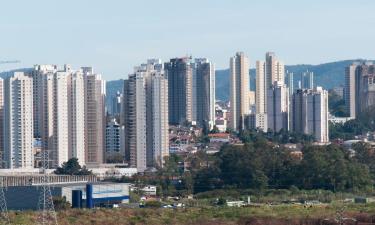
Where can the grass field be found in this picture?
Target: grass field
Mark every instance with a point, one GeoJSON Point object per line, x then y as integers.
{"type": "Point", "coordinates": [262, 215]}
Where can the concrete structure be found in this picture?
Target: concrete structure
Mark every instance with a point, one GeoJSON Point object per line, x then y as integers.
{"type": "Point", "coordinates": [239, 89]}
{"type": "Point", "coordinates": [339, 91]}
{"type": "Point", "coordinates": [359, 88]}
{"type": "Point", "coordinates": [307, 80]}
{"type": "Point", "coordinates": [339, 120]}
{"type": "Point", "coordinates": [54, 116]}
{"type": "Point", "coordinates": [76, 116]}
{"type": "Point", "coordinates": [135, 121]}
{"type": "Point", "coordinates": [278, 107]}
{"type": "Point", "coordinates": [159, 136]}
{"type": "Point", "coordinates": [274, 70]}
{"type": "Point", "coordinates": [251, 98]}
{"type": "Point", "coordinates": [256, 121]}
{"type": "Point", "coordinates": [112, 171]}
{"type": "Point", "coordinates": [116, 104]}
{"type": "Point", "coordinates": [114, 139]}
{"type": "Point", "coordinates": [180, 88]}
{"type": "Point", "coordinates": [146, 103]}
{"type": "Point", "coordinates": [221, 119]}
{"type": "Point", "coordinates": [204, 107]}
{"type": "Point", "coordinates": [290, 82]}
{"type": "Point", "coordinates": [37, 74]}
{"type": "Point", "coordinates": [18, 121]}
{"type": "Point", "coordinates": [310, 113]}
{"type": "Point", "coordinates": [2, 122]}
{"type": "Point", "coordinates": [26, 197]}
{"type": "Point", "coordinates": [31, 177]}
{"type": "Point", "coordinates": [259, 120]}
{"type": "Point", "coordinates": [95, 116]}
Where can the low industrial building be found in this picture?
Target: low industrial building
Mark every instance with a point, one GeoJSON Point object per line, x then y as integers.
{"type": "Point", "coordinates": [100, 194]}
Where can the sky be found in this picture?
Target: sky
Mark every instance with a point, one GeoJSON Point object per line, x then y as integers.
{"type": "Point", "coordinates": [113, 36]}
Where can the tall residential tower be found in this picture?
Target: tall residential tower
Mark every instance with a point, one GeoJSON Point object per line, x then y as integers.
{"type": "Point", "coordinates": [18, 121]}
{"type": "Point", "coordinates": [239, 90]}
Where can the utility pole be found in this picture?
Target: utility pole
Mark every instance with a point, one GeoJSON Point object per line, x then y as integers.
{"type": "Point", "coordinates": [47, 213]}
{"type": "Point", "coordinates": [3, 204]}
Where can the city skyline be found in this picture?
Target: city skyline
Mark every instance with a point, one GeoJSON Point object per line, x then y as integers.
{"type": "Point", "coordinates": [106, 40]}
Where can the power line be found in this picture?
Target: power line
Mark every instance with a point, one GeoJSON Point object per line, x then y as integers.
{"type": "Point", "coordinates": [47, 213]}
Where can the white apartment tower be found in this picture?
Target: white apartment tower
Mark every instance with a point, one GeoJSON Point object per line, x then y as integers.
{"type": "Point", "coordinates": [54, 117]}
{"type": "Point", "coordinates": [261, 97]}
{"type": "Point", "coordinates": [239, 89]}
{"type": "Point", "coordinates": [135, 121]}
{"type": "Point", "coordinates": [160, 143]}
{"type": "Point", "coordinates": [310, 113]}
{"type": "Point", "coordinates": [350, 90]}
{"type": "Point", "coordinates": [38, 73]}
{"type": "Point", "coordinates": [146, 116]}
{"type": "Point", "coordinates": [76, 111]}
{"type": "Point", "coordinates": [18, 121]}
{"type": "Point", "coordinates": [95, 121]}
{"type": "Point", "coordinates": [278, 107]}
{"type": "Point", "coordinates": [274, 70]}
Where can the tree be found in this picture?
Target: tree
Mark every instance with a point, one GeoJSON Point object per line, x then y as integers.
{"type": "Point", "coordinates": [60, 203]}
{"type": "Point", "coordinates": [72, 167]}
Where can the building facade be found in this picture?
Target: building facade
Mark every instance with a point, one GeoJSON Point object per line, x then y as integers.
{"type": "Point", "coordinates": [180, 88]}
{"type": "Point", "coordinates": [76, 116]}
{"type": "Point", "coordinates": [38, 74]}
{"type": "Point", "coordinates": [146, 116]}
{"type": "Point", "coordinates": [18, 121]}
{"type": "Point", "coordinates": [274, 70]}
{"type": "Point", "coordinates": [204, 102]}
{"type": "Point", "coordinates": [114, 140]}
{"type": "Point", "coordinates": [307, 80]}
{"type": "Point", "coordinates": [359, 88]}
{"type": "Point", "coordinates": [95, 121]}
{"type": "Point", "coordinates": [260, 119]}
{"type": "Point", "coordinates": [310, 113]}
{"type": "Point", "coordinates": [278, 107]}
{"type": "Point", "coordinates": [239, 89]}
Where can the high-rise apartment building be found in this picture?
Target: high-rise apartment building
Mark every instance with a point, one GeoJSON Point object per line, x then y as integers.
{"type": "Point", "coordinates": [160, 128]}
{"type": "Point", "coordinates": [18, 121]}
{"type": "Point", "coordinates": [76, 116]}
{"type": "Point", "coordinates": [146, 116]}
{"type": "Point", "coordinates": [180, 88]}
{"type": "Point", "coordinates": [290, 82]}
{"type": "Point", "coordinates": [260, 119]}
{"type": "Point", "coordinates": [239, 89]}
{"type": "Point", "coordinates": [278, 107]}
{"type": "Point", "coordinates": [310, 113]}
{"type": "Point", "coordinates": [95, 121]}
{"type": "Point", "coordinates": [274, 70]}
{"type": "Point", "coordinates": [204, 89]}
{"type": "Point", "coordinates": [135, 121]}
{"type": "Point", "coordinates": [37, 74]}
{"type": "Point", "coordinates": [307, 80]}
{"type": "Point", "coordinates": [116, 104]}
{"type": "Point", "coordinates": [54, 114]}
{"type": "Point", "coordinates": [359, 88]}
{"type": "Point", "coordinates": [2, 122]}
{"type": "Point", "coordinates": [114, 140]}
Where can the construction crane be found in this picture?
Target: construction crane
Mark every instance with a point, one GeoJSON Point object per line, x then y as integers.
{"type": "Point", "coordinates": [10, 61]}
